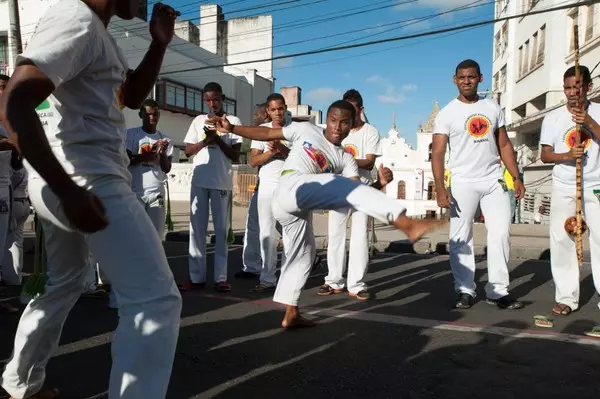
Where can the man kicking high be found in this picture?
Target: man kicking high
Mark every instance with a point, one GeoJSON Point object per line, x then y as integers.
{"type": "Point", "coordinates": [81, 190]}
{"type": "Point", "coordinates": [309, 181]}
{"type": "Point", "coordinates": [474, 128]}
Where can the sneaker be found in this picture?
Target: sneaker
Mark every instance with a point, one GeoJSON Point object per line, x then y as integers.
{"type": "Point", "coordinates": [325, 290]}
{"type": "Point", "coordinates": [464, 301]}
{"type": "Point", "coordinates": [362, 295]}
{"type": "Point", "coordinates": [506, 302]}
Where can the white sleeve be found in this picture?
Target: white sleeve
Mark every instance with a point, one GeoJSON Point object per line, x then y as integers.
{"type": "Point", "coordinates": [441, 125]}
{"type": "Point", "coordinates": [373, 142]}
{"type": "Point", "coordinates": [547, 133]}
{"type": "Point", "coordinates": [63, 45]}
{"type": "Point", "coordinates": [257, 145]}
{"type": "Point", "coordinates": [170, 147]}
{"type": "Point", "coordinates": [350, 166]}
{"type": "Point", "coordinates": [192, 136]}
{"type": "Point", "coordinates": [501, 118]}
{"type": "Point", "coordinates": [291, 132]}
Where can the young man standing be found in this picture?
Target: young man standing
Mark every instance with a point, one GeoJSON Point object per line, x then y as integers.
{"type": "Point", "coordinates": [364, 146]}
{"type": "Point", "coordinates": [211, 182]}
{"type": "Point", "coordinates": [150, 154]}
{"type": "Point", "coordinates": [559, 148]}
{"type": "Point", "coordinates": [475, 130]}
{"type": "Point", "coordinates": [270, 157]}
{"type": "Point", "coordinates": [81, 189]}
{"type": "Point", "coordinates": [309, 181]}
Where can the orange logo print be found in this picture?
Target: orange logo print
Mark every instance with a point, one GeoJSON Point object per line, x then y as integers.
{"type": "Point", "coordinates": [478, 126]}
{"type": "Point", "coordinates": [351, 149]}
{"type": "Point", "coordinates": [145, 148]}
{"type": "Point", "coordinates": [586, 137]}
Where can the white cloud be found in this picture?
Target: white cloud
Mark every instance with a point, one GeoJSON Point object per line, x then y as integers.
{"type": "Point", "coordinates": [409, 87]}
{"type": "Point", "coordinates": [323, 94]}
{"type": "Point", "coordinates": [375, 79]}
{"type": "Point", "coordinates": [392, 96]}
{"type": "Point", "coordinates": [283, 63]}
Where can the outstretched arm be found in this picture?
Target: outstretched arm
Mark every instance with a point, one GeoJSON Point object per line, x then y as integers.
{"type": "Point", "coordinates": [259, 133]}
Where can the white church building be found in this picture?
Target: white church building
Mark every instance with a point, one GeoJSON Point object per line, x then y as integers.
{"type": "Point", "coordinates": [413, 178]}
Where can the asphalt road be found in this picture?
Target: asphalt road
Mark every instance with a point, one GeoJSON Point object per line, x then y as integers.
{"type": "Point", "coordinates": [406, 343]}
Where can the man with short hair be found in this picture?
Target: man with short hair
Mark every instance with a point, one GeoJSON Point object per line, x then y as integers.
{"type": "Point", "coordinates": [310, 180]}
{"type": "Point", "coordinates": [150, 154]}
{"type": "Point", "coordinates": [363, 144]}
{"type": "Point", "coordinates": [269, 156]}
{"type": "Point", "coordinates": [74, 73]}
{"type": "Point", "coordinates": [211, 183]}
{"type": "Point", "coordinates": [559, 148]}
{"type": "Point", "coordinates": [475, 129]}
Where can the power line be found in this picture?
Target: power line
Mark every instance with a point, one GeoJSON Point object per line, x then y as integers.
{"type": "Point", "coordinates": [393, 39]}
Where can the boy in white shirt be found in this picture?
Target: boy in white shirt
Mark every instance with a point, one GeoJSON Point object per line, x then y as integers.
{"type": "Point", "coordinates": [270, 157]}
{"type": "Point", "coordinates": [310, 180]}
{"type": "Point", "coordinates": [558, 147]}
{"type": "Point", "coordinates": [474, 129]}
{"type": "Point", "coordinates": [74, 73]}
{"type": "Point", "coordinates": [150, 154]}
{"type": "Point", "coordinates": [363, 143]}
{"type": "Point", "coordinates": [211, 182]}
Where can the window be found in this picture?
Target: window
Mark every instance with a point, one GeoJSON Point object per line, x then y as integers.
{"type": "Point", "coordinates": [528, 203]}
{"type": "Point", "coordinates": [534, 43]}
{"type": "Point", "coordinates": [3, 54]}
{"type": "Point", "coordinates": [194, 100]}
{"type": "Point", "coordinates": [496, 85]}
{"type": "Point", "coordinates": [430, 152]}
{"type": "Point", "coordinates": [401, 190]}
{"type": "Point", "coordinates": [525, 65]}
{"type": "Point", "coordinates": [520, 62]}
{"type": "Point", "coordinates": [502, 79]}
{"type": "Point", "coordinates": [573, 16]}
{"type": "Point", "coordinates": [229, 106]}
{"type": "Point", "coordinates": [498, 44]}
{"type": "Point", "coordinates": [431, 191]}
{"type": "Point", "coordinates": [541, 45]}
{"type": "Point", "coordinates": [589, 23]}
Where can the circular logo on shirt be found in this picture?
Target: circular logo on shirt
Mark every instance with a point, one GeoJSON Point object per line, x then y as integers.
{"type": "Point", "coordinates": [478, 126]}
{"type": "Point", "coordinates": [351, 149]}
{"type": "Point", "coordinates": [145, 148]}
{"type": "Point", "coordinates": [586, 137]}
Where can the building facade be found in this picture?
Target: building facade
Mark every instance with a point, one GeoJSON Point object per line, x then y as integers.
{"type": "Point", "coordinates": [413, 182]}
{"type": "Point", "coordinates": [530, 56]}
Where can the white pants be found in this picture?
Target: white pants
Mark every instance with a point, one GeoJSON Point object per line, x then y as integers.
{"type": "Point", "coordinates": [495, 206]}
{"type": "Point", "coordinates": [219, 206]}
{"type": "Point", "coordinates": [358, 253]}
{"type": "Point", "coordinates": [132, 256]}
{"type": "Point", "coordinates": [268, 229]}
{"type": "Point", "coordinates": [5, 205]}
{"type": "Point", "coordinates": [251, 253]}
{"type": "Point", "coordinates": [563, 254]}
{"type": "Point", "coordinates": [299, 194]}
{"type": "Point", "coordinates": [12, 261]}
{"type": "Point", "coordinates": [154, 204]}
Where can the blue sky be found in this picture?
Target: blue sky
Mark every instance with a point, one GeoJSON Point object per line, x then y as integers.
{"type": "Point", "coordinates": [406, 79]}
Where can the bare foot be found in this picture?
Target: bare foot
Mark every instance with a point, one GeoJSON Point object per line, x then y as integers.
{"type": "Point", "coordinates": [296, 322]}
{"type": "Point", "coordinates": [44, 393]}
{"type": "Point", "coordinates": [416, 229]}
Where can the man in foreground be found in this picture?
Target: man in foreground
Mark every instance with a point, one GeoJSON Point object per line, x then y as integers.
{"type": "Point", "coordinates": [309, 181]}
{"type": "Point", "coordinates": [80, 188]}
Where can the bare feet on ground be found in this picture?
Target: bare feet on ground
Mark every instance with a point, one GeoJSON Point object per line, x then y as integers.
{"type": "Point", "coordinates": [416, 229]}
{"type": "Point", "coordinates": [293, 319]}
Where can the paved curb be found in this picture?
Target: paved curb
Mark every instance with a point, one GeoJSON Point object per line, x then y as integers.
{"type": "Point", "coordinates": [425, 246]}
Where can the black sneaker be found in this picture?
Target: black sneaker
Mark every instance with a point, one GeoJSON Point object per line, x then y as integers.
{"type": "Point", "coordinates": [506, 302]}
{"type": "Point", "coordinates": [464, 301]}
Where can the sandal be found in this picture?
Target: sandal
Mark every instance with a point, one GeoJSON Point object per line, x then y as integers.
{"type": "Point", "coordinates": [543, 321]}
{"type": "Point", "coordinates": [594, 332]}
{"type": "Point", "coordinates": [325, 290]}
{"type": "Point", "coordinates": [560, 309]}
{"type": "Point", "coordinates": [261, 289]}
{"type": "Point", "coordinates": [222, 286]}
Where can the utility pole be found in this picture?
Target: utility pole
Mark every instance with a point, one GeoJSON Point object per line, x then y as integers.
{"type": "Point", "coordinates": [14, 33]}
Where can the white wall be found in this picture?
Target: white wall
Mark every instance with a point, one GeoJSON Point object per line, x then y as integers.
{"type": "Point", "coordinates": [251, 38]}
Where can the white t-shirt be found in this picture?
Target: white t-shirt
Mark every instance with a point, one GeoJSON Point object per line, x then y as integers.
{"type": "Point", "coordinates": [470, 129]}
{"type": "Point", "coordinates": [212, 168]}
{"type": "Point", "coordinates": [5, 158]}
{"type": "Point", "coordinates": [146, 178]}
{"type": "Point", "coordinates": [361, 142]}
{"type": "Point", "coordinates": [558, 131]}
{"type": "Point", "coordinates": [83, 117]}
{"type": "Point", "coordinates": [269, 173]}
{"type": "Point", "coordinates": [312, 153]}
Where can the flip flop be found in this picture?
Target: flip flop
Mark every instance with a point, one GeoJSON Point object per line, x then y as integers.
{"type": "Point", "coordinates": [594, 332]}
{"type": "Point", "coordinates": [543, 321]}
